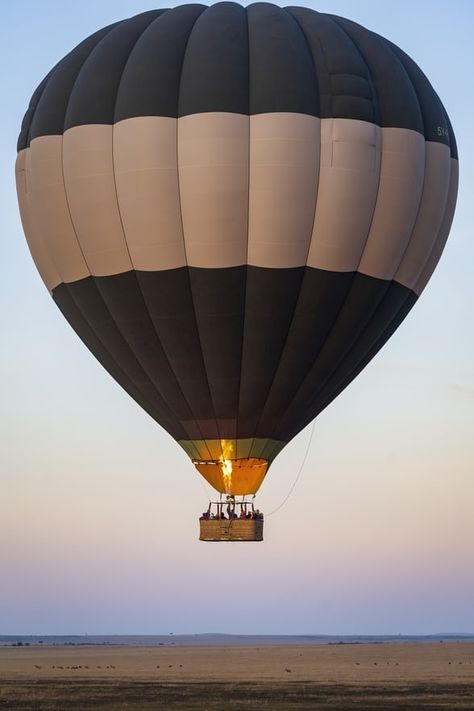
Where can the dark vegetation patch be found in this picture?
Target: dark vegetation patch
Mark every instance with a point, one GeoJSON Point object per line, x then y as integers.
{"type": "Point", "coordinates": [199, 696]}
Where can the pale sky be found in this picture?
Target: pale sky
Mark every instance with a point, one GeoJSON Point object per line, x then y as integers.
{"type": "Point", "coordinates": [99, 506]}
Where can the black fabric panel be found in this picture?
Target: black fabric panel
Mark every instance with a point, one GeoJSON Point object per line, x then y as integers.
{"type": "Point", "coordinates": [151, 78]}
{"type": "Point", "coordinates": [397, 102]}
{"type": "Point", "coordinates": [188, 363]}
{"type": "Point", "coordinates": [434, 116]}
{"type": "Point", "coordinates": [124, 301]}
{"type": "Point", "coordinates": [49, 115]}
{"type": "Point", "coordinates": [271, 296]}
{"type": "Point", "coordinates": [344, 82]}
{"type": "Point", "coordinates": [219, 303]}
{"type": "Point", "coordinates": [282, 74]}
{"type": "Point", "coordinates": [396, 305]}
{"type": "Point", "coordinates": [321, 298]}
{"type": "Point", "coordinates": [215, 75]}
{"type": "Point", "coordinates": [169, 302]}
{"type": "Point", "coordinates": [358, 307]}
{"type": "Point", "coordinates": [93, 96]}
{"type": "Point", "coordinates": [83, 307]}
{"type": "Point", "coordinates": [392, 309]}
{"type": "Point", "coordinates": [255, 60]}
{"type": "Point", "coordinates": [24, 137]}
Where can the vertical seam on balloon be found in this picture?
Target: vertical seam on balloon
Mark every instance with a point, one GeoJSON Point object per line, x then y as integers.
{"type": "Point", "coordinates": [66, 197]}
{"type": "Point", "coordinates": [38, 99]}
{"type": "Point", "coordinates": [393, 54]}
{"type": "Point", "coordinates": [420, 278]}
{"type": "Point", "coordinates": [62, 158]}
{"type": "Point", "coordinates": [322, 385]}
{"type": "Point", "coordinates": [112, 144]}
{"type": "Point", "coordinates": [184, 242]}
{"type": "Point", "coordinates": [140, 290]}
{"type": "Point", "coordinates": [93, 50]}
{"type": "Point", "coordinates": [377, 126]}
{"type": "Point", "coordinates": [348, 292]}
{"type": "Point", "coordinates": [35, 232]}
{"type": "Point", "coordinates": [448, 214]}
{"type": "Point", "coordinates": [400, 60]}
{"type": "Point", "coordinates": [435, 246]}
{"type": "Point", "coordinates": [246, 265]}
{"type": "Point", "coordinates": [354, 371]}
{"type": "Point", "coordinates": [453, 165]}
{"type": "Point", "coordinates": [59, 66]}
{"type": "Point", "coordinates": [361, 335]}
{"type": "Point", "coordinates": [304, 266]}
{"type": "Point", "coordinates": [380, 338]}
{"type": "Point", "coordinates": [97, 335]}
{"type": "Point", "coordinates": [82, 252]}
{"type": "Point", "coordinates": [130, 384]}
{"type": "Point", "coordinates": [391, 48]}
{"type": "Point", "coordinates": [53, 71]}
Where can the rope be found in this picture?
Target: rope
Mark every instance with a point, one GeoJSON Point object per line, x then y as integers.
{"type": "Point", "coordinates": [205, 490]}
{"type": "Point", "coordinates": [303, 462]}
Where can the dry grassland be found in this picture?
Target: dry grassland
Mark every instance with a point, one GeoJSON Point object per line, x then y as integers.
{"type": "Point", "coordinates": [216, 678]}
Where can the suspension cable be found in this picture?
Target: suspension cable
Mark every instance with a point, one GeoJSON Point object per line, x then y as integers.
{"type": "Point", "coordinates": [303, 462]}
{"type": "Point", "coordinates": [205, 490]}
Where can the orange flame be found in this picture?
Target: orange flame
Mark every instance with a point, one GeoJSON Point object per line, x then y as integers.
{"type": "Point", "coordinates": [225, 464]}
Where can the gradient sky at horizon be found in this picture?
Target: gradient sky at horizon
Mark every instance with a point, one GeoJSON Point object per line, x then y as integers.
{"type": "Point", "coordinates": [98, 505]}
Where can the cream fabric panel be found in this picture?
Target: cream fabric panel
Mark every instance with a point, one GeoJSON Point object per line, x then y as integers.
{"type": "Point", "coordinates": [284, 171]}
{"type": "Point", "coordinates": [91, 194]}
{"type": "Point", "coordinates": [348, 183]}
{"type": "Point", "coordinates": [50, 208]}
{"type": "Point", "coordinates": [440, 242]}
{"type": "Point", "coordinates": [41, 258]}
{"type": "Point", "coordinates": [430, 214]}
{"type": "Point", "coordinates": [398, 201]}
{"type": "Point", "coordinates": [146, 175]}
{"type": "Point", "coordinates": [213, 186]}
{"type": "Point", "coordinates": [361, 192]}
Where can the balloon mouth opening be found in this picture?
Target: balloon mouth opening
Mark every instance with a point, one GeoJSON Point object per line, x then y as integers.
{"type": "Point", "coordinates": [234, 477]}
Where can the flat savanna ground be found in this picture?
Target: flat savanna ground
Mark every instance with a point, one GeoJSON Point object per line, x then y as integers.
{"type": "Point", "coordinates": [217, 678]}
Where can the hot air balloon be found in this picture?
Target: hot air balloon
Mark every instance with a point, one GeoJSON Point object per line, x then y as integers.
{"type": "Point", "coordinates": [235, 208]}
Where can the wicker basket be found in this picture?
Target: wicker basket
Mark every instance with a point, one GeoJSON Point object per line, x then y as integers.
{"type": "Point", "coordinates": [236, 529]}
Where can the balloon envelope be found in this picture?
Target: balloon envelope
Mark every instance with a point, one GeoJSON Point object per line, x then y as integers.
{"type": "Point", "coordinates": [235, 208]}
